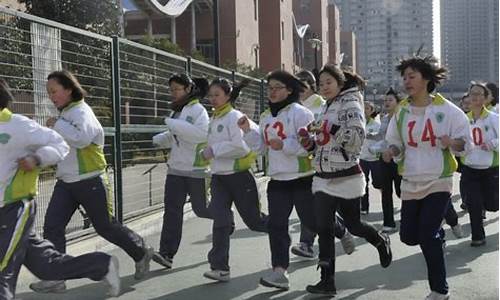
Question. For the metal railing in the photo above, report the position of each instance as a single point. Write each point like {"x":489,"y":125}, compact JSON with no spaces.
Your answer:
{"x":127,"y":85}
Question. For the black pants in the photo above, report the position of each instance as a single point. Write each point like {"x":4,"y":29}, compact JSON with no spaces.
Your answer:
{"x":93,"y":195}
{"x":325,"y":208}
{"x":373,"y":168}
{"x":241,"y":189}
{"x":388,"y":176}
{"x":19,"y":245}
{"x":282,"y":197}
{"x":177,"y":188}
{"x":481,"y":190}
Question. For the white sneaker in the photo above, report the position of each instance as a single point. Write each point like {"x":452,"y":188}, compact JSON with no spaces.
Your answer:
{"x":142,"y":266}
{"x":437,"y":296}
{"x":219,"y":275}
{"x":303,"y":250}
{"x":347,"y":242}
{"x":113,"y":277}
{"x":277,"y":279}
{"x":49,"y":286}
{"x":457,"y":231}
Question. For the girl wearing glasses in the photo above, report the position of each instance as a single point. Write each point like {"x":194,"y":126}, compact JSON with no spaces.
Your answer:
{"x":480,"y":165}
{"x":289,"y":166}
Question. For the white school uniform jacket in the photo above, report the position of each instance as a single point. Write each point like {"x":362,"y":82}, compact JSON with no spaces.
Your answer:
{"x":372,"y":128}
{"x":422,"y":158}
{"x":231,"y":152}
{"x":293,"y":161}
{"x":79,"y":127}
{"x":187,"y":137}
{"x":484,"y":131}
{"x":315,"y":103}
{"x":19,"y":137}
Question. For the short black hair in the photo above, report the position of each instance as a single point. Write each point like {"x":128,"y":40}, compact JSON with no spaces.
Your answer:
{"x":290,"y":81}
{"x":228,"y":88}
{"x":308,"y":77}
{"x":394,"y":93}
{"x":428,"y":66}
{"x":5,"y":94}
{"x":69,"y":82}
{"x":493,"y":87}
{"x":481,"y":85}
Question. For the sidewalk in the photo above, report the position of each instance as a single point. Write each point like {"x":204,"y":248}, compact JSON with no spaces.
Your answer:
{"x":472,"y":272}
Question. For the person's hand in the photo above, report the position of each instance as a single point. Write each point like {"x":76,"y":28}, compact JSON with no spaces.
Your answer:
{"x":387,"y":155}
{"x":244,"y":123}
{"x":51,"y":122}
{"x":446,"y":141}
{"x":486,"y":146}
{"x":305,"y":138}
{"x":276,"y":144}
{"x":207,"y":153}
{"x":28,"y":163}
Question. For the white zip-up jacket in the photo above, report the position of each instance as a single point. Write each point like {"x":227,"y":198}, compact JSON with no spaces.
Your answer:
{"x":372,"y":128}
{"x":187,"y":137}
{"x":231,"y":152}
{"x":484,"y":131}
{"x":19,"y":137}
{"x":79,"y":127}
{"x":293,"y":161}
{"x":338,"y":146}
{"x":315,"y":103}
{"x":422,"y":157}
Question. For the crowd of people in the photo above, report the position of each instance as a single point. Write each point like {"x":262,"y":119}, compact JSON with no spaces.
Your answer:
{"x":323,"y":142}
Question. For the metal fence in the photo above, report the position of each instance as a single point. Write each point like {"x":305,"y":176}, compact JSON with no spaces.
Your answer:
{"x":127,"y":85}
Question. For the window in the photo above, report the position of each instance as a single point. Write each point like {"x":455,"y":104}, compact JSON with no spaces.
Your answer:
{"x":282,"y":30}
{"x":255,"y":10}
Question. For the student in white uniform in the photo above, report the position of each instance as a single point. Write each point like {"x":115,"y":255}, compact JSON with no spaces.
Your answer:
{"x":187,"y":169}
{"x":232,"y":178}
{"x":423,"y":136}
{"x":289,"y":166}
{"x":82,"y":179}
{"x":316,"y":104}
{"x":25,"y":148}
{"x":480,"y":164}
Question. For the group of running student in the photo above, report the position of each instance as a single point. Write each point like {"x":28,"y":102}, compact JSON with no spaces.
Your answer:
{"x":320,"y":153}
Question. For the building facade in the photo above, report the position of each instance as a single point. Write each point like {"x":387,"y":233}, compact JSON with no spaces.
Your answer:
{"x":348,"y":50}
{"x":469,"y":41}
{"x":386,"y":30}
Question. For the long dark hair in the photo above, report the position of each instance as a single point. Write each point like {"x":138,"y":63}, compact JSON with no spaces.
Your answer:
{"x":5,"y":94}
{"x":199,"y":89}
{"x":69,"y":82}
{"x":346,"y":79}
{"x":229,"y":89}
{"x":427,"y":66}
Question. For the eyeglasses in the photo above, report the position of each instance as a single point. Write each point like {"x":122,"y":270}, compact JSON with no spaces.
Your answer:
{"x":275,"y":88}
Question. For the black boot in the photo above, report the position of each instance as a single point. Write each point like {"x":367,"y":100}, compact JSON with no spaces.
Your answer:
{"x":326,"y":286}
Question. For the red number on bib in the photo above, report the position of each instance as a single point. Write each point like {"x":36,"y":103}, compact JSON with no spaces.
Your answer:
{"x":477,"y":136}
{"x":324,"y":133}
{"x":427,"y":134}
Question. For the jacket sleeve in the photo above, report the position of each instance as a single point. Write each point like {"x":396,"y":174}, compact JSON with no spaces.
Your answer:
{"x":254,"y":138}
{"x":372,"y":131}
{"x":79,"y":131}
{"x":393,"y":138}
{"x":235,"y":147}
{"x":163,"y":140}
{"x":351,"y":133}
{"x":460,"y":129}
{"x":291,"y":146}
{"x":494,"y":125}
{"x":47,"y":144}
{"x":195,"y":132}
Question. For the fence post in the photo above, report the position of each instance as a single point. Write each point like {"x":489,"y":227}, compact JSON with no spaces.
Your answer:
{"x":117,"y":140}
{"x":233,"y":76}
{"x":189,"y":66}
